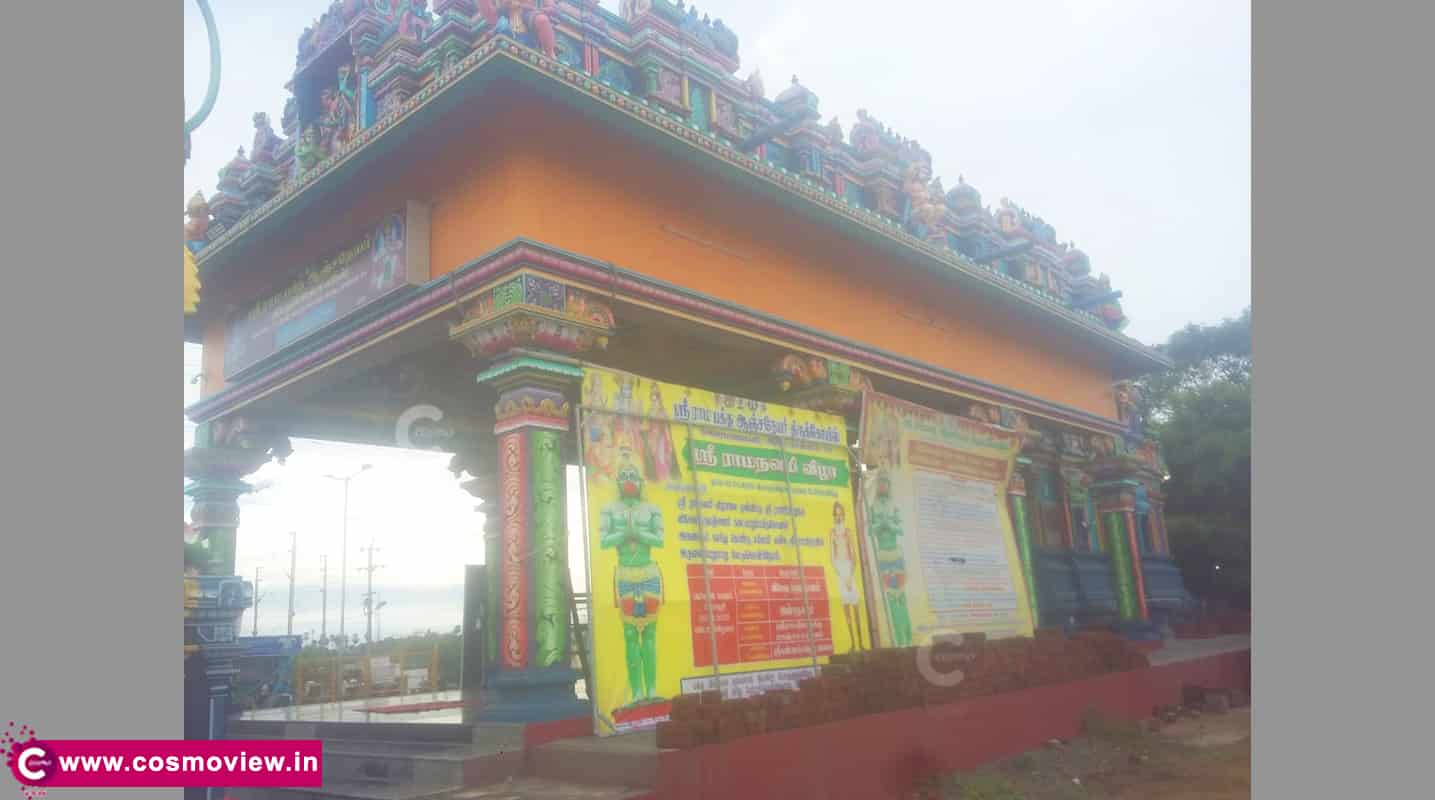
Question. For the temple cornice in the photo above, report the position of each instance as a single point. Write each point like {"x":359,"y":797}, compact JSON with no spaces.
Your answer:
{"x":501,"y":58}
{"x":444,"y":296}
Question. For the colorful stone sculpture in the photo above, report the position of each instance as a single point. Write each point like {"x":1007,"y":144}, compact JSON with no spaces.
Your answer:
{"x":668,"y":53}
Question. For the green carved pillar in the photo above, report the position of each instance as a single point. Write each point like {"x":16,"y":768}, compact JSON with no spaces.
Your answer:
{"x":223,"y":453}
{"x":526,"y":328}
{"x":1113,"y":524}
{"x":534,"y":679}
{"x":1117,"y":503}
{"x":1016,"y":493}
{"x":215,"y":599}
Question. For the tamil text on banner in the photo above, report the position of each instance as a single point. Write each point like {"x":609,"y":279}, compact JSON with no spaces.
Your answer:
{"x":724,"y":549}
{"x":390,"y":255}
{"x":936,"y":525}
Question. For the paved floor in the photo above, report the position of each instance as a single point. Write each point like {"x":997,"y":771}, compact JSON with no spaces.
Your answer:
{"x":539,"y":789}
{"x":352,"y":710}
{"x":1177,"y":650}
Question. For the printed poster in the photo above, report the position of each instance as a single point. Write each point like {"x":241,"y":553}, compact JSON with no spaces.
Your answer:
{"x":937,"y":530}
{"x":723,"y":546}
{"x":389,"y":256}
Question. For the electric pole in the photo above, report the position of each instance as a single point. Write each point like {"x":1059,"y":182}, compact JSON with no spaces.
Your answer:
{"x":379,"y":616}
{"x":324,"y":595}
{"x":257,"y":598}
{"x":369,"y":595}
{"x":293,"y":567}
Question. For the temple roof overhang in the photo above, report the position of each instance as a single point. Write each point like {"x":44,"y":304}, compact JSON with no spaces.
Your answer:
{"x":418,"y":320}
{"x":502,"y":62}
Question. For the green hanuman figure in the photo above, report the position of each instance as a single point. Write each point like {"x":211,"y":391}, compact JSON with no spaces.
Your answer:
{"x":884,"y":524}
{"x":633,"y":528}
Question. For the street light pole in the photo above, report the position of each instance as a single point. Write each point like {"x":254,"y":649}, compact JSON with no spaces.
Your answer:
{"x":343,"y":584}
{"x":344,"y":547}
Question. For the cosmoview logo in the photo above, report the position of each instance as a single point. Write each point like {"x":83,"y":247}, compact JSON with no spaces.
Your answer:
{"x":419,"y":428}
{"x":31,"y":762}
{"x":35,"y":763}
{"x":937,"y":662}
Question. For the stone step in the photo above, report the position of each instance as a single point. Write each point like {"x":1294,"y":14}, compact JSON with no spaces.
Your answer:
{"x":351,"y":790}
{"x":544,"y":789}
{"x":629,"y":760}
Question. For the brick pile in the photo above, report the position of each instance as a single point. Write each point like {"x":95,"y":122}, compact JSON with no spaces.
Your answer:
{"x":1224,"y":624}
{"x":877,"y":681}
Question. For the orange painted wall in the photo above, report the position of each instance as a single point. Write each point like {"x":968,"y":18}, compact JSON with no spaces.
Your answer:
{"x":571,"y":184}
{"x":508,"y":168}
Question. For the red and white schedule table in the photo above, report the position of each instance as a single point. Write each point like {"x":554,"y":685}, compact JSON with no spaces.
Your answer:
{"x":758,"y":614}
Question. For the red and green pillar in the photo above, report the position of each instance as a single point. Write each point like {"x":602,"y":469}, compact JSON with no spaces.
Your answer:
{"x":1118,"y":519}
{"x":534,"y":679}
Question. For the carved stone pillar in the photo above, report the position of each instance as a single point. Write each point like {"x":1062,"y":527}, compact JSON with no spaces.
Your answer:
{"x":224,"y":452}
{"x":534,"y":678}
{"x":480,"y":640}
{"x":1116,"y":502}
{"x":527,"y":328}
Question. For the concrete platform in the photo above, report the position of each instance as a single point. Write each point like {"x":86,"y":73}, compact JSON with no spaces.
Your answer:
{"x":869,"y":756}
{"x":1177,"y":650}
{"x":542,"y":789}
{"x":625,"y":761}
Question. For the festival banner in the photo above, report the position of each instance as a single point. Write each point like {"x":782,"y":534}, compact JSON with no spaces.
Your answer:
{"x":723,"y":548}
{"x":936,"y":526}
{"x":391,"y":255}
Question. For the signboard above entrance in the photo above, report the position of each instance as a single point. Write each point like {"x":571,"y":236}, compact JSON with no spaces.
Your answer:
{"x":389,"y":256}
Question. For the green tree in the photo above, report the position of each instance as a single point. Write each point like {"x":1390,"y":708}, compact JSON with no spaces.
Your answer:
{"x":1200,"y":411}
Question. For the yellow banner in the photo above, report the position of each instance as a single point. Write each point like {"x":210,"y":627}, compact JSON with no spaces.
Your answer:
{"x":689,"y":489}
{"x":937,"y":528}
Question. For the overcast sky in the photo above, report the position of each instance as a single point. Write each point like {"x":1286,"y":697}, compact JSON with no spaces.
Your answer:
{"x":1125,"y":124}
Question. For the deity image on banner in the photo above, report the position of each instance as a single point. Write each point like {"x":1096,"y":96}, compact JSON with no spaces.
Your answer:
{"x":660,"y":457}
{"x":633,"y":527}
{"x":627,"y":425}
{"x":884,"y":525}
{"x":598,"y":451}
{"x":844,"y":561}
{"x":885,"y":439}
{"x":391,"y":255}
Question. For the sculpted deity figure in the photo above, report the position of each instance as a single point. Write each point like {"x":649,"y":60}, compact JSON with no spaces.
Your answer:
{"x":197,"y":210}
{"x":631,"y":9}
{"x":925,"y":207}
{"x":266,"y":142}
{"x":516,"y":17}
{"x":866,"y":134}
{"x":309,"y":151}
{"x":754,"y":84}
{"x":414,"y":20}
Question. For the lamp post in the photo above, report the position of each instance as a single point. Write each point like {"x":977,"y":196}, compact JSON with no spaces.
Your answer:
{"x":343,"y":577}
{"x":191,"y":270}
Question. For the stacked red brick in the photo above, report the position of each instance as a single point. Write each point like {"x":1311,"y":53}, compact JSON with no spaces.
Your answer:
{"x":877,"y":681}
{"x":1224,"y":624}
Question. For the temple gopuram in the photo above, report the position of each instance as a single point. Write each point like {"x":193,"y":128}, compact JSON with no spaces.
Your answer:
{"x":477,"y":221}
